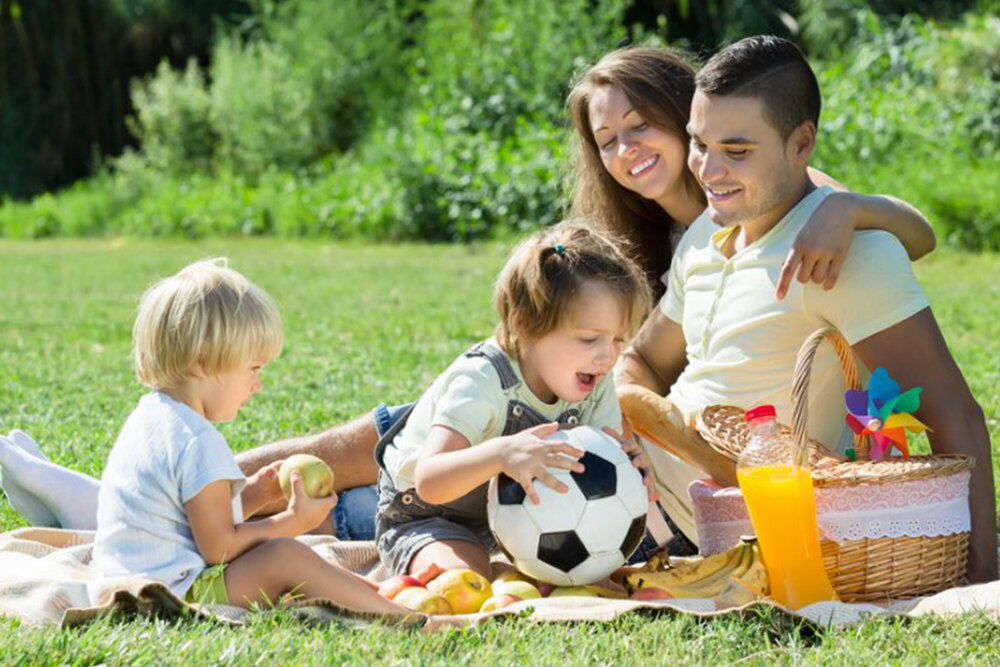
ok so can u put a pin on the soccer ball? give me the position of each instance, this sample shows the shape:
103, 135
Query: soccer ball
579, 537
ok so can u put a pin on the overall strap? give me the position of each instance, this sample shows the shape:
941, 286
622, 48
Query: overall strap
391, 434
498, 360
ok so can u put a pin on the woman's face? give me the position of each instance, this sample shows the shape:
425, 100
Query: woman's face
642, 158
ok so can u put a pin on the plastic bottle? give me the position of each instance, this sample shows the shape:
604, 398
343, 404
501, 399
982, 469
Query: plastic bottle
777, 487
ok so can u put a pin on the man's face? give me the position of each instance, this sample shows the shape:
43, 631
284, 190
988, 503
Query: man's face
748, 172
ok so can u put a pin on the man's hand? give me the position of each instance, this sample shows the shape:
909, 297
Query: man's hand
638, 457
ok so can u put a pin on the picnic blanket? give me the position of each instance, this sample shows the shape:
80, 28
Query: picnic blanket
46, 577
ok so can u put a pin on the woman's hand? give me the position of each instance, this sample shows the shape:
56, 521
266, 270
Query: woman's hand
309, 512
526, 456
819, 251
639, 459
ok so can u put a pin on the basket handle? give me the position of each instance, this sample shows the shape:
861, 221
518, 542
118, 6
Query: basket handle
800, 385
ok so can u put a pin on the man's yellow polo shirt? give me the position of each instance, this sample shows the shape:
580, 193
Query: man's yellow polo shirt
742, 342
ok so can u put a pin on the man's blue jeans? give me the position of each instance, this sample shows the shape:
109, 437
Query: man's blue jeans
354, 515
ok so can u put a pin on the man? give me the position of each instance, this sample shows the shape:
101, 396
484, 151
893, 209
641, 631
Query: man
721, 336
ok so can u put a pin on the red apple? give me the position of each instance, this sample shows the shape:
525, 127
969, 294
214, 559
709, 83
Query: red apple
391, 587
430, 573
545, 589
651, 593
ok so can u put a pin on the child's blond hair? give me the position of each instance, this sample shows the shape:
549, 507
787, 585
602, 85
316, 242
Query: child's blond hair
207, 315
545, 271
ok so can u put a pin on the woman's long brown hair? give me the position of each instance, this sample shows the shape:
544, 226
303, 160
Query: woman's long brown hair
659, 82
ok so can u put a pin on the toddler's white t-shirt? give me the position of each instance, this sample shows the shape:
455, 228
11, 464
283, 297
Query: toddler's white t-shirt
165, 455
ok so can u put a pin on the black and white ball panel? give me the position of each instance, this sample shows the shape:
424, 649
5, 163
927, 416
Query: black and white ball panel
577, 537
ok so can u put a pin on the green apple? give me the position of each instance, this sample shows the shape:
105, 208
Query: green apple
512, 575
465, 590
317, 478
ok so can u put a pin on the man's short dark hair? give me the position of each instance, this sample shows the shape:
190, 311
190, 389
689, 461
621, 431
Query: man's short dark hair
768, 68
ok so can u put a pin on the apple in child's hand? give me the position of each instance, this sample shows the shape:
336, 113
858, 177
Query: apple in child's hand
499, 602
393, 585
418, 598
465, 590
317, 478
519, 589
651, 593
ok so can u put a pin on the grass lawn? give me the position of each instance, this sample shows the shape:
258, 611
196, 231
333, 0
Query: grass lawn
366, 324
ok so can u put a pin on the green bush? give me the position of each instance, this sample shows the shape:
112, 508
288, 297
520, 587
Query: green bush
464, 186
913, 109
261, 109
173, 120
487, 64
349, 55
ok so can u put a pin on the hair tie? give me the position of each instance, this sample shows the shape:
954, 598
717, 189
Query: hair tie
559, 248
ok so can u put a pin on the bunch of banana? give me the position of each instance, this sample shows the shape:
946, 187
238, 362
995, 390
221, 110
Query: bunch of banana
738, 575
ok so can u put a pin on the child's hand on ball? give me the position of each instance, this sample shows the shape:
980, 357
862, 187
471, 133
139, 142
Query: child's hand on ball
310, 512
526, 456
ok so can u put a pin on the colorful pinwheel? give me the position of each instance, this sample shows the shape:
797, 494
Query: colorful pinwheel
884, 414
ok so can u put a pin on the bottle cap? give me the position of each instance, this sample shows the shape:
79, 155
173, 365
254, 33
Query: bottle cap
759, 412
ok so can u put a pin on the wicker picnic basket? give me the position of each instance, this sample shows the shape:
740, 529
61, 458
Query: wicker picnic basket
864, 569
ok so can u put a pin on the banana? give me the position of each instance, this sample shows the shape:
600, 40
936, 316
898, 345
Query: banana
756, 577
736, 575
694, 577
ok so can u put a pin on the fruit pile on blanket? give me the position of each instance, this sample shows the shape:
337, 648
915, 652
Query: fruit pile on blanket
731, 578
467, 592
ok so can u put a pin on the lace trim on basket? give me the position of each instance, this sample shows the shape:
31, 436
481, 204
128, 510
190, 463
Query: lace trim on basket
946, 518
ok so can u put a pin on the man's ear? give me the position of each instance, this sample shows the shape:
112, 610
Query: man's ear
802, 142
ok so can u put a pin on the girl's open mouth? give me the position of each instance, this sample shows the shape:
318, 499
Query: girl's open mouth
586, 380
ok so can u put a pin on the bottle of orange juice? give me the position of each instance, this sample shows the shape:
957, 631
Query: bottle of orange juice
777, 487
